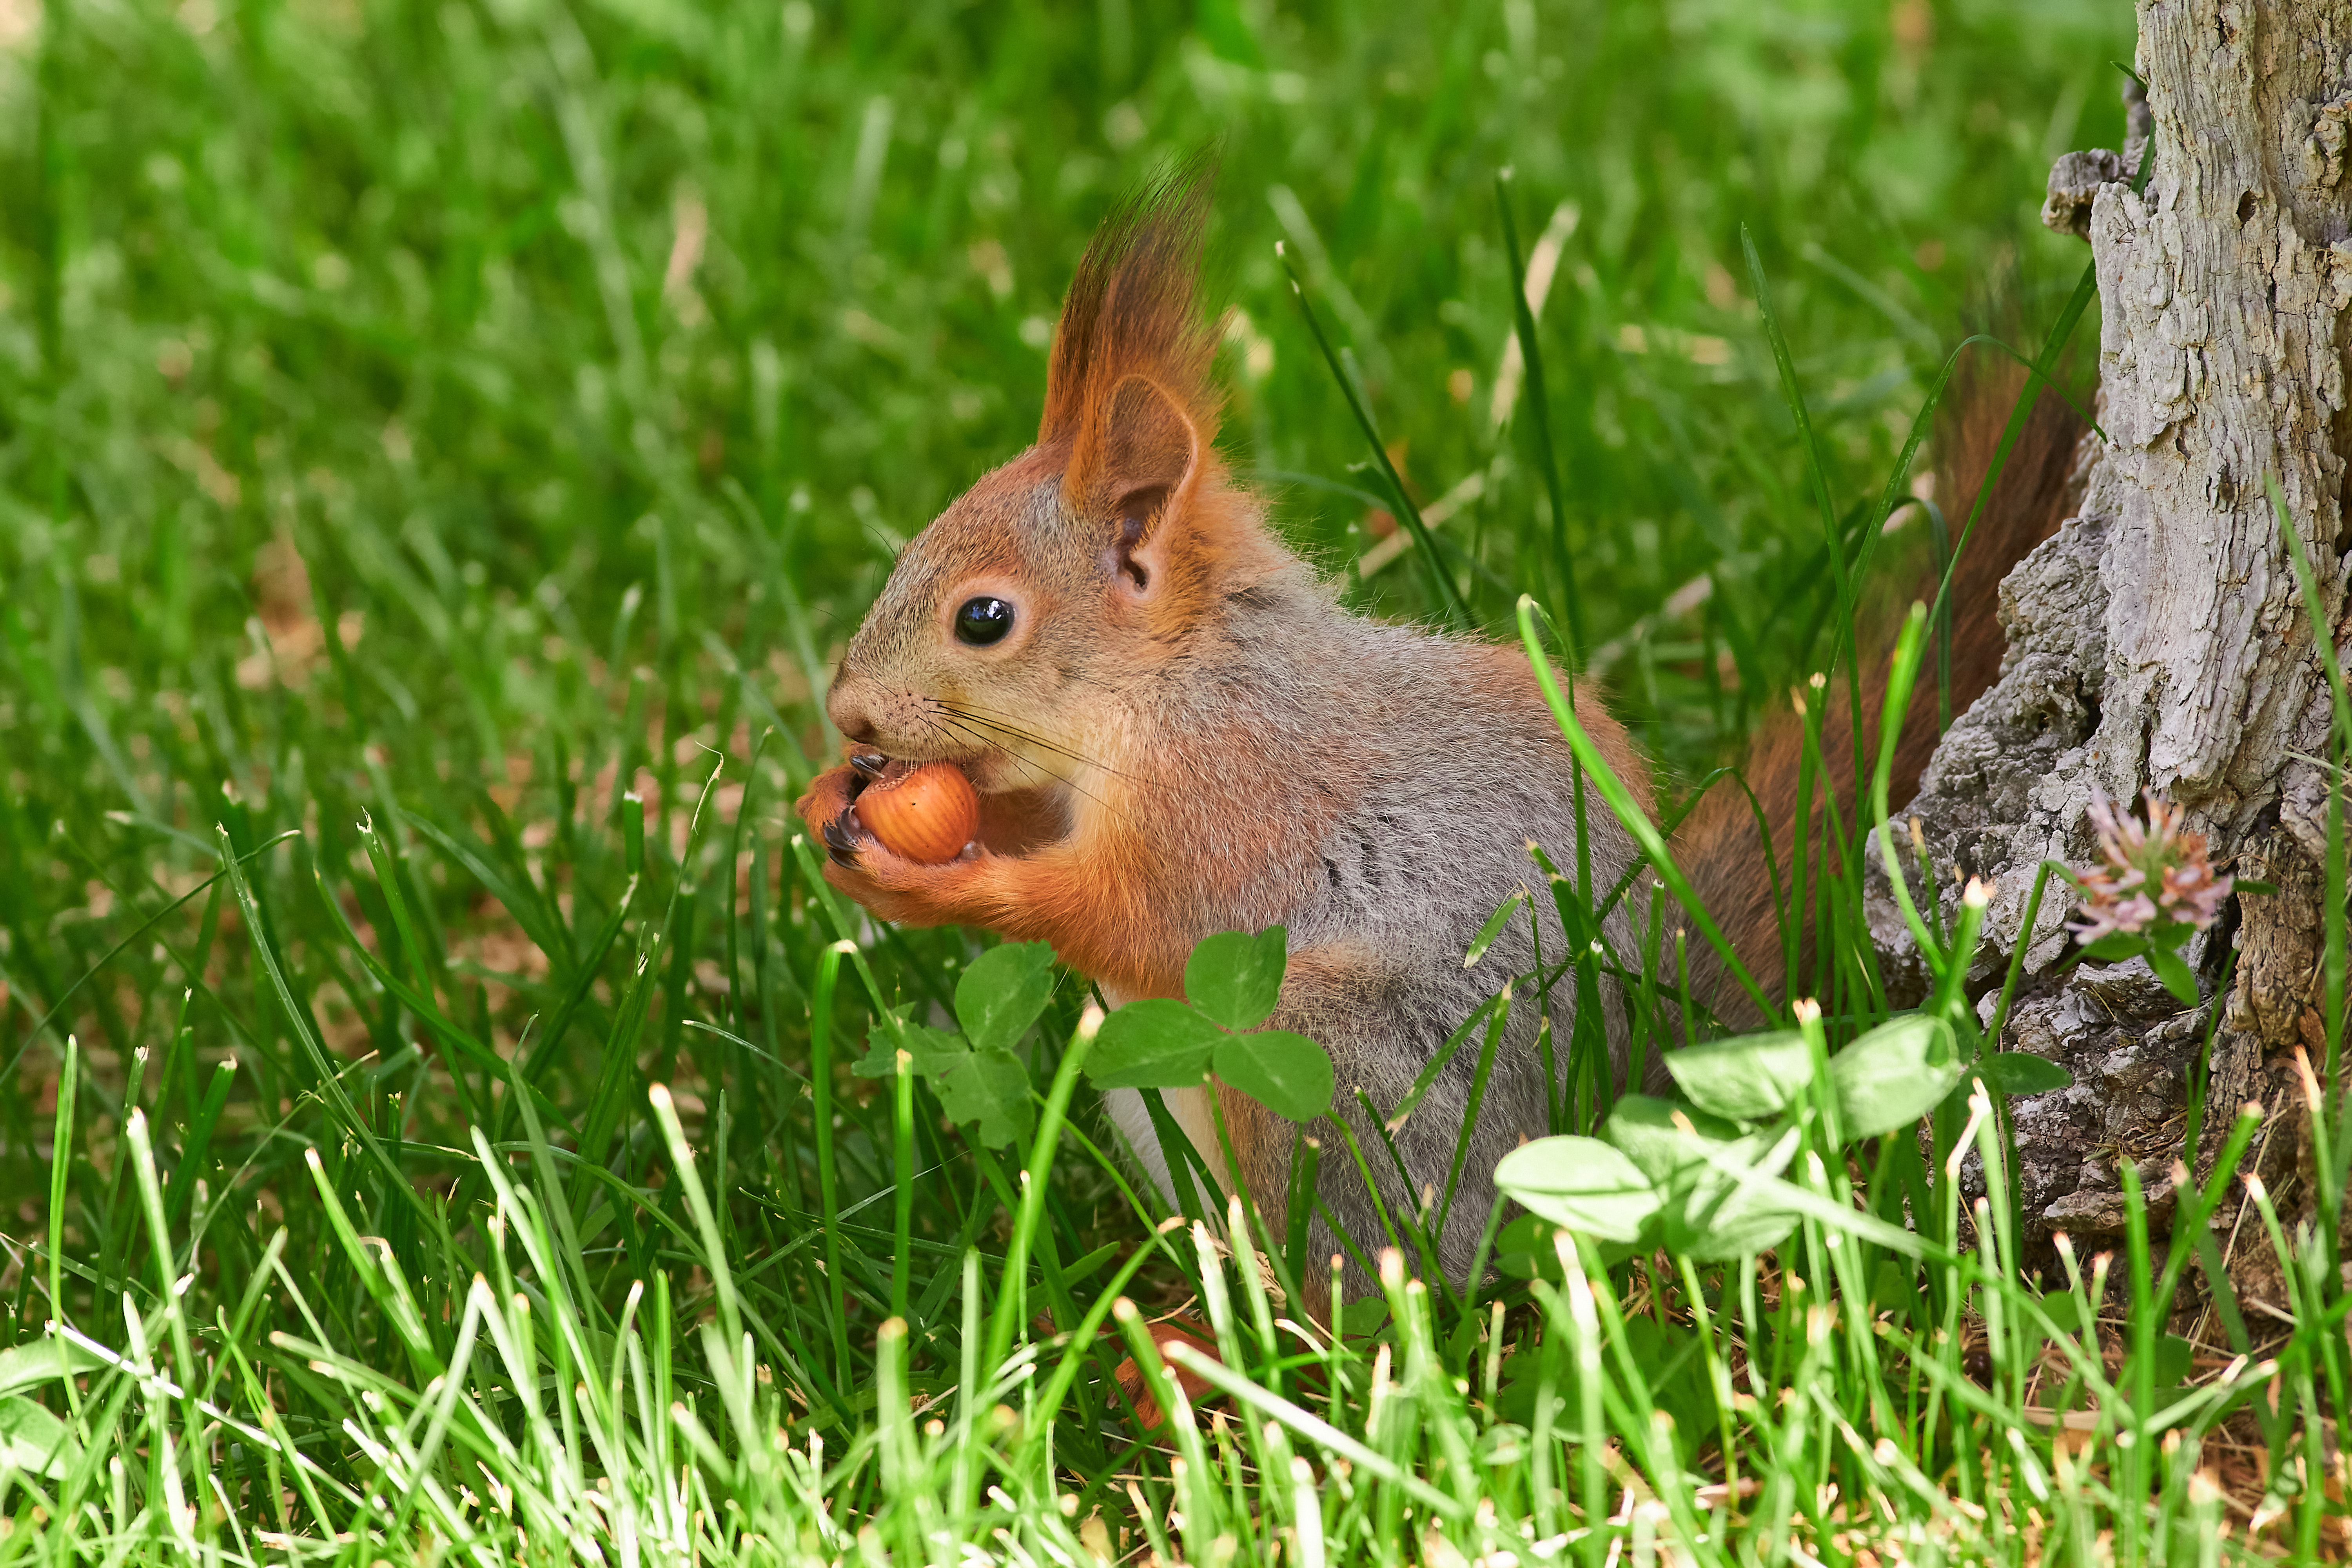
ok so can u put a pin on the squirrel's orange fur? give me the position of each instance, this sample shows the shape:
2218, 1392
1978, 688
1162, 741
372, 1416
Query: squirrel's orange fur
1184, 733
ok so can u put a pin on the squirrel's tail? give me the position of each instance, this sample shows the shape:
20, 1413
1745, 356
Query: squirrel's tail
1718, 846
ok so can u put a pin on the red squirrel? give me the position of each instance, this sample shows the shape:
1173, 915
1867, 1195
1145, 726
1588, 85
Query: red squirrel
1177, 729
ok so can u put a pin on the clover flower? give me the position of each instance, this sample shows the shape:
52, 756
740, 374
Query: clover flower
2152, 875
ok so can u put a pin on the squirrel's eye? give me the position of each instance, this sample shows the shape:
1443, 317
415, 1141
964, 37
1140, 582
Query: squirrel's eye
983, 621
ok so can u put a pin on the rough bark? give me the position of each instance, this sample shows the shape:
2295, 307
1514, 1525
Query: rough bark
2158, 640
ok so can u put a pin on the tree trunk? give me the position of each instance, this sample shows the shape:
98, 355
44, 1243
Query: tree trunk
2159, 641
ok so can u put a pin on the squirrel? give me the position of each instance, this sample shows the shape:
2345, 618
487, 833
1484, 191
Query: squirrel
1176, 728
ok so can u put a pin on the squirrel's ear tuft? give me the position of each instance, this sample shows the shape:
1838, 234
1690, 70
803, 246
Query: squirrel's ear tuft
1130, 373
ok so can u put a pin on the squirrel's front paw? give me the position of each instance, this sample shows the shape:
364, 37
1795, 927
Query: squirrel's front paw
868, 871
829, 809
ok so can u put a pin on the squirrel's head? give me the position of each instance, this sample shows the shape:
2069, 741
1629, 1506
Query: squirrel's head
1017, 630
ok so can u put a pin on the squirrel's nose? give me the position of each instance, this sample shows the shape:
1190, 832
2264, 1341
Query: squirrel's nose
849, 713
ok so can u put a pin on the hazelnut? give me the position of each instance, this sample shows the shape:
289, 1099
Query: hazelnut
925, 814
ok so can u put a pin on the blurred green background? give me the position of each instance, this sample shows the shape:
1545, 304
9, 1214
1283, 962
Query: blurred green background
458, 411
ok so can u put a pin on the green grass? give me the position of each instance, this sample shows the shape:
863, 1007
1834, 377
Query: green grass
428, 428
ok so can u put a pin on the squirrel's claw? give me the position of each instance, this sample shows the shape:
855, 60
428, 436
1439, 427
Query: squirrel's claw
840, 837
870, 764
829, 807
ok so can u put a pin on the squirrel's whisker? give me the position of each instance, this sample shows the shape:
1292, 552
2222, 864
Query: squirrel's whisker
967, 731
1038, 740
981, 717
971, 733
997, 721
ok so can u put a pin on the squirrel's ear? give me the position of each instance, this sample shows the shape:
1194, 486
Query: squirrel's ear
1135, 459
1127, 392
